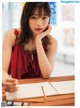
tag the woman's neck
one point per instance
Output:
(30, 46)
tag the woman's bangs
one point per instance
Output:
(40, 8)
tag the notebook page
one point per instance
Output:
(64, 87)
(25, 91)
(31, 91)
(48, 89)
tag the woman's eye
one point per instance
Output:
(44, 18)
(33, 17)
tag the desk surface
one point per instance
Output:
(57, 100)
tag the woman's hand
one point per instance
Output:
(10, 85)
(45, 33)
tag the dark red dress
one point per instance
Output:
(22, 65)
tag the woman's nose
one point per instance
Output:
(39, 22)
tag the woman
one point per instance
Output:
(29, 51)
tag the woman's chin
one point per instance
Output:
(37, 33)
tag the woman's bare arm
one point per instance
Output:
(8, 42)
(6, 51)
(46, 61)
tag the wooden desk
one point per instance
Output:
(58, 100)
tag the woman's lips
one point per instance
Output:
(38, 29)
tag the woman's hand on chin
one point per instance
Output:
(44, 33)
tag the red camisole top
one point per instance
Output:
(23, 64)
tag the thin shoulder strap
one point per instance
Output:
(16, 32)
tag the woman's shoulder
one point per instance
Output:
(10, 35)
(16, 31)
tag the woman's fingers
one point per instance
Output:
(15, 82)
(49, 29)
(10, 89)
(13, 90)
(43, 34)
(10, 85)
(11, 82)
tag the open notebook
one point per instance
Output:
(35, 90)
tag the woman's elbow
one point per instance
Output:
(47, 75)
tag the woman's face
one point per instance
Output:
(38, 24)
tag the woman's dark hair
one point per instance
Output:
(28, 10)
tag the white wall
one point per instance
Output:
(58, 33)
